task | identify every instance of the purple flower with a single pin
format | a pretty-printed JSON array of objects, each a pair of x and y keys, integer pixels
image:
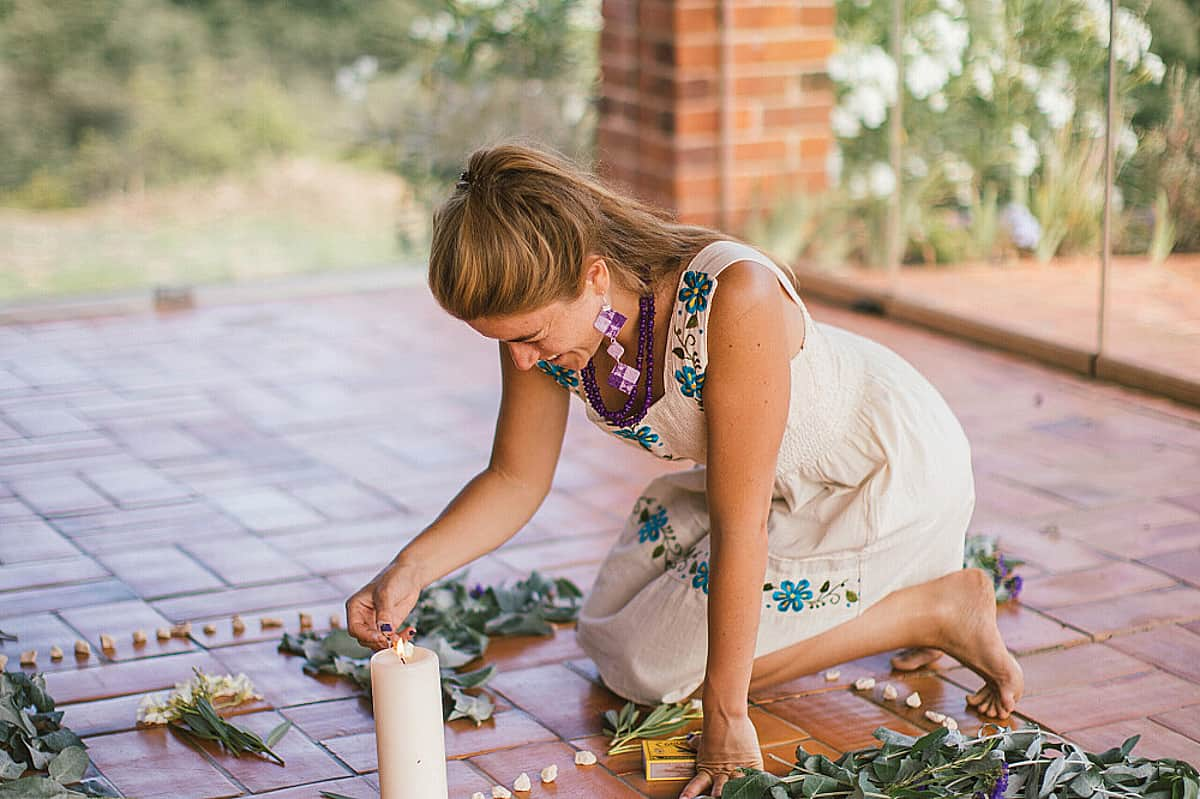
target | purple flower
[
  {"x": 1001, "y": 783},
  {"x": 1001, "y": 566},
  {"x": 1023, "y": 228},
  {"x": 1015, "y": 586},
  {"x": 477, "y": 591}
]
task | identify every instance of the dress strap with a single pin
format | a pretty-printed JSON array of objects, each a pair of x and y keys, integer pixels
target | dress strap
[{"x": 714, "y": 258}]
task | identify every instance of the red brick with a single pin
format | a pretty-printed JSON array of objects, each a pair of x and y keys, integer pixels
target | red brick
[
  {"x": 769, "y": 17},
  {"x": 178, "y": 771}
]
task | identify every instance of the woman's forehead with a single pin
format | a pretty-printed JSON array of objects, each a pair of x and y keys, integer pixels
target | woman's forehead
[{"x": 517, "y": 327}]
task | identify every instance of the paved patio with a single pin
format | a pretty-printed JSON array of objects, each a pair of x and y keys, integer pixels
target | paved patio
[{"x": 266, "y": 459}]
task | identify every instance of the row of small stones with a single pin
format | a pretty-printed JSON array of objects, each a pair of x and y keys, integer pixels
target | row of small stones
[
  {"x": 890, "y": 693},
  {"x": 523, "y": 784},
  {"x": 83, "y": 650}
]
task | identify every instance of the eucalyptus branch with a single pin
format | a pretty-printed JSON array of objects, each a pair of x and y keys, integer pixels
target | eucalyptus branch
[
  {"x": 626, "y": 731},
  {"x": 944, "y": 764}
]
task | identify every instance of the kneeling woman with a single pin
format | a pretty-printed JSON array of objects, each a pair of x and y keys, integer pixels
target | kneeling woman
[{"x": 826, "y": 518}]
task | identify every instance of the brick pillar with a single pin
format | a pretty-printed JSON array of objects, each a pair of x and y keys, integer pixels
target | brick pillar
[{"x": 660, "y": 102}]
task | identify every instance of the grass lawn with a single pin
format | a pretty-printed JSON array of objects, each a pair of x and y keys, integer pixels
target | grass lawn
[{"x": 288, "y": 217}]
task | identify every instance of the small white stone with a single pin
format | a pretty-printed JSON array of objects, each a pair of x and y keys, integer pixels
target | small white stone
[
  {"x": 889, "y": 692},
  {"x": 585, "y": 758},
  {"x": 831, "y": 676},
  {"x": 935, "y": 717},
  {"x": 864, "y": 683},
  {"x": 56, "y": 652},
  {"x": 522, "y": 783},
  {"x": 29, "y": 658},
  {"x": 550, "y": 773},
  {"x": 162, "y": 634},
  {"x": 83, "y": 649},
  {"x": 107, "y": 643},
  {"x": 913, "y": 700},
  {"x": 500, "y": 792},
  {"x": 3, "y": 662},
  {"x": 950, "y": 723},
  {"x": 478, "y": 795}
]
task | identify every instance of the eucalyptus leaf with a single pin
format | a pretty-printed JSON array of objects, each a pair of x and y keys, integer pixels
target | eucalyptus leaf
[
  {"x": 36, "y": 788},
  {"x": 477, "y": 708},
  {"x": 447, "y": 654},
  {"x": 59, "y": 740},
  {"x": 69, "y": 765},
  {"x": 886, "y": 736},
  {"x": 753, "y": 785},
  {"x": 275, "y": 735},
  {"x": 1086, "y": 783},
  {"x": 929, "y": 740},
  {"x": 339, "y": 642},
  {"x": 9, "y": 768}
]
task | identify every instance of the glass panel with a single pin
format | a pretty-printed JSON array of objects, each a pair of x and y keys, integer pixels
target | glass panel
[
  {"x": 197, "y": 141},
  {"x": 1004, "y": 164},
  {"x": 1001, "y": 164},
  {"x": 1153, "y": 291}
]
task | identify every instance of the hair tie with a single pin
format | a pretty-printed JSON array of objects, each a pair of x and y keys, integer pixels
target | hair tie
[{"x": 464, "y": 181}]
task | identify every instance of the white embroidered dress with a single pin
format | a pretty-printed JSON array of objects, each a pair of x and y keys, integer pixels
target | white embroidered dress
[{"x": 873, "y": 492}]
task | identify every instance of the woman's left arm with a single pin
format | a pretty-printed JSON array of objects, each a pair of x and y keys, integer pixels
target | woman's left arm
[{"x": 746, "y": 392}]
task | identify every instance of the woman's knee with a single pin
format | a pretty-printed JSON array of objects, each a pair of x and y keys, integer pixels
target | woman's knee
[{"x": 636, "y": 672}]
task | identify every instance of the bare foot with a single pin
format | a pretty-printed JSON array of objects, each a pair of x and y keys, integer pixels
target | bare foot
[
  {"x": 969, "y": 633},
  {"x": 916, "y": 658}
]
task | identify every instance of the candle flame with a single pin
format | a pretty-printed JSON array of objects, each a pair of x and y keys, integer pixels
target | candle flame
[{"x": 398, "y": 648}]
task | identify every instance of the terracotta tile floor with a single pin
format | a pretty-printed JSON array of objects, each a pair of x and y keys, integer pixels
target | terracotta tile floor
[{"x": 265, "y": 459}]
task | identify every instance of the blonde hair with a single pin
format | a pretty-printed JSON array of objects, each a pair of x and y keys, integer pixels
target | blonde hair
[{"x": 514, "y": 235}]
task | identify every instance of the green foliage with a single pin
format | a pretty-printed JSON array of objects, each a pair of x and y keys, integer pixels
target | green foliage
[
  {"x": 1162, "y": 241},
  {"x": 117, "y": 95},
  {"x": 1169, "y": 158},
  {"x": 32, "y": 740},
  {"x": 943, "y": 763},
  {"x": 454, "y": 621},
  {"x": 626, "y": 728},
  {"x": 983, "y": 552},
  {"x": 1068, "y": 196}
]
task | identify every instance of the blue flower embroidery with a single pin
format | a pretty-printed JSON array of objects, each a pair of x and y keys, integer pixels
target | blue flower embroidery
[
  {"x": 653, "y": 526},
  {"x": 691, "y": 382},
  {"x": 695, "y": 291},
  {"x": 642, "y": 435},
  {"x": 563, "y": 376},
  {"x": 701, "y": 579},
  {"x": 791, "y": 596}
]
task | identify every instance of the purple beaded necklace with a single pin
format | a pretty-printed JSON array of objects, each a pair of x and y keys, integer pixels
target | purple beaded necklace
[{"x": 626, "y": 416}]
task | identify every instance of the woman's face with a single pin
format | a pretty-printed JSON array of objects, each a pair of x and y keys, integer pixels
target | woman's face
[{"x": 560, "y": 333}]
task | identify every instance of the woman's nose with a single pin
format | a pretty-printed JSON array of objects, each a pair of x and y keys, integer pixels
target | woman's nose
[{"x": 524, "y": 355}]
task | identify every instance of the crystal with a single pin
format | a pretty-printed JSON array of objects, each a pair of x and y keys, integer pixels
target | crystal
[{"x": 624, "y": 378}]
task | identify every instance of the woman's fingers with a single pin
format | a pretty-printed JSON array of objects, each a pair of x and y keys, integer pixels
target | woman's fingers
[
  {"x": 360, "y": 622},
  {"x": 699, "y": 784}
]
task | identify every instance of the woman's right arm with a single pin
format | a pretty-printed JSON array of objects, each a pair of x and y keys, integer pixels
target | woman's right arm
[{"x": 488, "y": 511}]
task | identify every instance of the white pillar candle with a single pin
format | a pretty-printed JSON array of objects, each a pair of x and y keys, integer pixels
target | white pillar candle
[{"x": 409, "y": 739}]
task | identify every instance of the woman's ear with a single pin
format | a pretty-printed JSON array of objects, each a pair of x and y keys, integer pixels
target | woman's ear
[{"x": 597, "y": 275}]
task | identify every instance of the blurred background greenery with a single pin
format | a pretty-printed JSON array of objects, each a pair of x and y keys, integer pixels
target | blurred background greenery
[{"x": 157, "y": 141}]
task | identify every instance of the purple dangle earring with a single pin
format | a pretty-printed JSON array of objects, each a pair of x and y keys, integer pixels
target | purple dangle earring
[{"x": 624, "y": 377}]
